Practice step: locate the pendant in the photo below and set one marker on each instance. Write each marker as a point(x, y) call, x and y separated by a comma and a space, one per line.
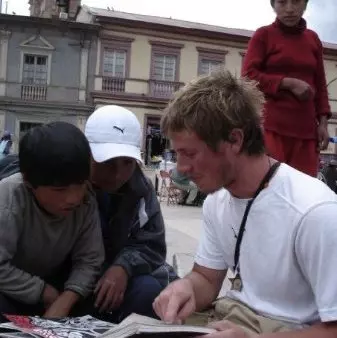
point(236, 283)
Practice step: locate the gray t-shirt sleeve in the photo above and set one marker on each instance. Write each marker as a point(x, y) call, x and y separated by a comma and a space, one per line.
point(88, 253)
point(14, 282)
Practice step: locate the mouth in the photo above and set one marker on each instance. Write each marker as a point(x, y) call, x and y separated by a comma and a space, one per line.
point(67, 210)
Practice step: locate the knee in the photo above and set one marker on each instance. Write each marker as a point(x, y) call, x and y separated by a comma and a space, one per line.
point(144, 288)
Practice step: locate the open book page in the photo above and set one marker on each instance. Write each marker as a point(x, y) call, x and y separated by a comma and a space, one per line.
point(136, 325)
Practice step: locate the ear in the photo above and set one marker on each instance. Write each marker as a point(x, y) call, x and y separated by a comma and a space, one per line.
point(236, 138)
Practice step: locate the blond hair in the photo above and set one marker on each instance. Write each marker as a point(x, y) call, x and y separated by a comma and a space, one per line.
point(213, 105)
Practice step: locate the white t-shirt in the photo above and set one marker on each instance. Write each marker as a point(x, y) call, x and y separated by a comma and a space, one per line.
point(288, 260)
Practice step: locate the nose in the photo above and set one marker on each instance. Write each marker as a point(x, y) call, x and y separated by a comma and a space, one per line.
point(289, 8)
point(74, 196)
point(183, 168)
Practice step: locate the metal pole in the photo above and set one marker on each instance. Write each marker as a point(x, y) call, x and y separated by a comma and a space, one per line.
point(0, 6)
point(6, 10)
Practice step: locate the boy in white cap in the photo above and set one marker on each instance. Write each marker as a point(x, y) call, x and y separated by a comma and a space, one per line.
point(132, 223)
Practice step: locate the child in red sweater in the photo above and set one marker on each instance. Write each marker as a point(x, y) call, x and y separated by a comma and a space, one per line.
point(286, 59)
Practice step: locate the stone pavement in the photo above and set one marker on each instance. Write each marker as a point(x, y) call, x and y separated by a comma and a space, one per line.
point(183, 229)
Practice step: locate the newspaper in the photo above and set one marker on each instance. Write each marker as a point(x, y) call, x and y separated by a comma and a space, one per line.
point(88, 327)
point(37, 327)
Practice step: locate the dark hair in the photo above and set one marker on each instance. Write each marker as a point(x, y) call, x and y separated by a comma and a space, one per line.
point(272, 2)
point(54, 154)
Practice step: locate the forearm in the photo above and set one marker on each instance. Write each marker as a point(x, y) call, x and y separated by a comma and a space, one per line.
point(141, 260)
point(200, 284)
point(63, 305)
point(317, 331)
point(82, 279)
point(67, 300)
point(20, 285)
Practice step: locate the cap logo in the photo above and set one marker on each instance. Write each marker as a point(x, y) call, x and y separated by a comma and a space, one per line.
point(119, 129)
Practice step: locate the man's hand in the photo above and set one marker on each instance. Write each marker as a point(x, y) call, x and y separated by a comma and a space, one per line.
point(226, 329)
point(110, 289)
point(62, 305)
point(49, 295)
point(302, 90)
point(323, 134)
point(176, 302)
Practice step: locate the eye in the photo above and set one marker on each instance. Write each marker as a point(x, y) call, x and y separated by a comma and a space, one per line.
point(59, 188)
point(190, 154)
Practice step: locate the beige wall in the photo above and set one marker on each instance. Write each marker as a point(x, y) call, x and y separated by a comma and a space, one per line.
point(140, 64)
point(331, 75)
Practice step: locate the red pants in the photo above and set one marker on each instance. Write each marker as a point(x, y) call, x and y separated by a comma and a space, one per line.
point(299, 154)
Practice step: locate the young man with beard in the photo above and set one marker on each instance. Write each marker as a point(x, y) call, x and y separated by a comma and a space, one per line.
point(272, 225)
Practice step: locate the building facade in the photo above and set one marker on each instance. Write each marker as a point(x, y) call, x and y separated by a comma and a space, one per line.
point(45, 68)
point(53, 8)
point(141, 60)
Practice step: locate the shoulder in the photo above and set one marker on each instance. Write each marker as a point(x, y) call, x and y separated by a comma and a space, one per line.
point(262, 32)
point(313, 37)
point(312, 34)
point(300, 191)
point(214, 206)
point(13, 192)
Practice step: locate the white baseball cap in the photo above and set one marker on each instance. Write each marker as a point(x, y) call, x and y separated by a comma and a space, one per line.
point(113, 131)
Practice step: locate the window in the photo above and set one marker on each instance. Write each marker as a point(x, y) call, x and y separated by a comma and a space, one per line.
point(35, 69)
point(115, 59)
point(165, 63)
point(114, 63)
point(164, 67)
point(210, 60)
point(208, 66)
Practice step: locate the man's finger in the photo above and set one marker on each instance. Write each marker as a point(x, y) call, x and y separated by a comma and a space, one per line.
point(186, 310)
point(160, 305)
point(101, 295)
point(98, 285)
point(172, 309)
point(108, 298)
point(117, 301)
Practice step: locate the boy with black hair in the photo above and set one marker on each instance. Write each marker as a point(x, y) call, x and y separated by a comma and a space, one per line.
point(51, 247)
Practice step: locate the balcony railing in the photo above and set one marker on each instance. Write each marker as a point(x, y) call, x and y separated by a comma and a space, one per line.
point(163, 89)
point(34, 92)
point(113, 84)
point(136, 87)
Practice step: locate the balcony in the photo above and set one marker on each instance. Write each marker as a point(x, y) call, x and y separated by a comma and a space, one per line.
point(33, 92)
point(163, 89)
point(113, 84)
point(134, 89)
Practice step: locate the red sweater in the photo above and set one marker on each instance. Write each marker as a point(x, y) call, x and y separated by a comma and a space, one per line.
point(275, 52)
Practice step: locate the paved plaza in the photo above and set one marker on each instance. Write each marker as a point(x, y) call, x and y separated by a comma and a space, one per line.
point(183, 228)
